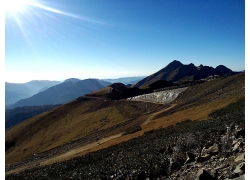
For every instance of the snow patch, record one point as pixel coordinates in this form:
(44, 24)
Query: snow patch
(166, 96)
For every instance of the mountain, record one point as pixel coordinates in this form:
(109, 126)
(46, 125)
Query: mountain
(19, 114)
(72, 79)
(17, 91)
(62, 93)
(115, 91)
(125, 80)
(175, 71)
(132, 137)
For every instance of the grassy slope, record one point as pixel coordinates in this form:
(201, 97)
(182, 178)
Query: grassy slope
(145, 152)
(191, 104)
(67, 123)
(196, 103)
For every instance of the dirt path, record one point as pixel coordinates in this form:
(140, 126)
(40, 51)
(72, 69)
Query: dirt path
(151, 117)
(66, 156)
(73, 152)
(111, 135)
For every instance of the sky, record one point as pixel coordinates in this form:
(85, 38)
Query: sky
(61, 39)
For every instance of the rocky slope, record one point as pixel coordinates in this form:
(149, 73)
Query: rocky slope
(208, 149)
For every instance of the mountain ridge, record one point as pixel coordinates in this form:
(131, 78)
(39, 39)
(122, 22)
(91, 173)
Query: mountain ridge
(17, 91)
(175, 71)
(62, 93)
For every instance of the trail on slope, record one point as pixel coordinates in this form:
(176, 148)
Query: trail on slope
(151, 116)
(65, 156)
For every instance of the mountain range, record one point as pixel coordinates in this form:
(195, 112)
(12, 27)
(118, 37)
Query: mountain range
(62, 93)
(125, 80)
(175, 71)
(98, 135)
(17, 91)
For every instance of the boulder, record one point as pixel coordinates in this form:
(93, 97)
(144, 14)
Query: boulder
(237, 145)
(204, 175)
(201, 159)
(241, 157)
(239, 133)
(240, 167)
(190, 157)
(213, 150)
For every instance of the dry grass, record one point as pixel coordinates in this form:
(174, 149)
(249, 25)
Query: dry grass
(76, 119)
(57, 127)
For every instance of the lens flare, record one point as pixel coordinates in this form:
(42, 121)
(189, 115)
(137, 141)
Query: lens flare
(15, 6)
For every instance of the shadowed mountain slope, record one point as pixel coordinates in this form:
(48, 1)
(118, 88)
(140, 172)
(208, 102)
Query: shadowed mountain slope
(115, 91)
(175, 71)
(62, 93)
(19, 114)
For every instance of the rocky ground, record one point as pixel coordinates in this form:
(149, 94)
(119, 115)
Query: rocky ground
(207, 149)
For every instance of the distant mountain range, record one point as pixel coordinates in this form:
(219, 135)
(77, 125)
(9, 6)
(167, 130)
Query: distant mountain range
(125, 80)
(175, 71)
(17, 91)
(62, 93)
(51, 92)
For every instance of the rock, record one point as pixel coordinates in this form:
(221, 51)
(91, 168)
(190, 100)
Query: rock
(237, 178)
(204, 175)
(214, 173)
(237, 140)
(239, 133)
(213, 150)
(190, 157)
(141, 175)
(202, 158)
(175, 166)
(241, 157)
(240, 167)
(237, 145)
(162, 150)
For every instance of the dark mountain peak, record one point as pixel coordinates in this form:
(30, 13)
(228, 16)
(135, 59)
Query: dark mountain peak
(175, 71)
(223, 69)
(118, 86)
(174, 64)
(191, 65)
(200, 67)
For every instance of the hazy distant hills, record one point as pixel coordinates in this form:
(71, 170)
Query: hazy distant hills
(62, 93)
(17, 91)
(125, 80)
(19, 114)
(175, 71)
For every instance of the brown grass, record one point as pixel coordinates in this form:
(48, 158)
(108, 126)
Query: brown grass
(76, 119)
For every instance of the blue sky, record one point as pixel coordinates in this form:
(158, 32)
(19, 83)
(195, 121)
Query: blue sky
(60, 39)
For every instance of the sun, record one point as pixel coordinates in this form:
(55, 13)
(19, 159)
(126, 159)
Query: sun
(15, 6)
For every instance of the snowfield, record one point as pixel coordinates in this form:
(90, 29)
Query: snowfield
(166, 96)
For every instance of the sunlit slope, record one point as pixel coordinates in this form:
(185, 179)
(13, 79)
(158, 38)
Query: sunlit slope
(91, 115)
(67, 123)
(196, 103)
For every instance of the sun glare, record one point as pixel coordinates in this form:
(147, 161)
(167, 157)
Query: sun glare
(15, 6)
